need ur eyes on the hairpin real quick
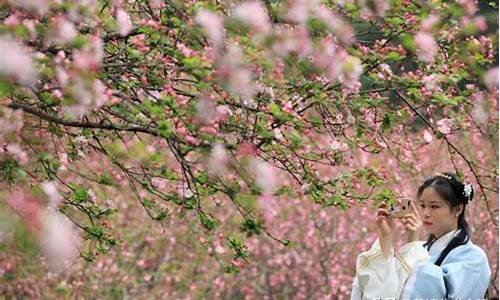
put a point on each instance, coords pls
(468, 191)
(444, 176)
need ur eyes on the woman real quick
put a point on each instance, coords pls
(447, 266)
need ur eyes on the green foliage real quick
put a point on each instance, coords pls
(208, 222)
(252, 227)
(240, 250)
(386, 196)
(79, 194)
(11, 171)
(164, 129)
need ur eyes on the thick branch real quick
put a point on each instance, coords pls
(57, 120)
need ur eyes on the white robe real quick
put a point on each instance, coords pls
(412, 274)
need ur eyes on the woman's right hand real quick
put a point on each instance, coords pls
(385, 224)
(412, 224)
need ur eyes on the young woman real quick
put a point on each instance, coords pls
(447, 266)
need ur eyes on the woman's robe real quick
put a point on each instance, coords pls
(412, 274)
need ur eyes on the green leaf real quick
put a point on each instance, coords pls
(202, 178)
(444, 100)
(296, 140)
(238, 247)
(386, 196)
(192, 62)
(209, 223)
(278, 113)
(161, 216)
(164, 129)
(251, 227)
(5, 89)
(408, 42)
(148, 203)
(80, 194)
(106, 179)
(337, 200)
(393, 56)
(387, 122)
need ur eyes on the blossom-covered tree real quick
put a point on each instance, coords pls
(232, 149)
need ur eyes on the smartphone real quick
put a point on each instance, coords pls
(401, 211)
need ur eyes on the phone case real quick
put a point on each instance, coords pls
(400, 212)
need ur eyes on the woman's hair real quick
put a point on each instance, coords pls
(455, 193)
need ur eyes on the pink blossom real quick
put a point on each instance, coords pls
(427, 137)
(157, 4)
(31, 25)
(265, 176)
(374, 8)
(10, 120)
(62, 75)
(385, 72)
(335, 24)
(101, 93)
(240, 83)
(214, 26)
(12, 20)
(124, 22)
(429, 23)
(26, 207)
(299, 10)
(295, 40)
(159, 183)
(16, 151)
(351, 70)
(480, 23)
(329, 58)
(254, 15)
(238, 263)
(287, 107)
(335, 145)
(59, 240)
(63, 31)
(246, 149)
(186, 51)
(138, 42)
(63, 159)
(57, 94)
(479, 113)
(444, 125)
(209, 130)
(205, 109)
(16, 62)
(218, 160)
(39, 6)
(469, 6)
(191, 140)
(491, 78)
(426, 47)
(151, 23)
(91, 55)
(50, 189)
(221, 113)
(430, 82)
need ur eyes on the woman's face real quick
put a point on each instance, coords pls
(437, 216)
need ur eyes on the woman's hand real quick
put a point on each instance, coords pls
(385, 224)
(385, 227)
(412, 224)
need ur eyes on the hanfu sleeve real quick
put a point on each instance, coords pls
(380, 277)
(464, 274)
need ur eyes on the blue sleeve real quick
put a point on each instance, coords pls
(464, 274)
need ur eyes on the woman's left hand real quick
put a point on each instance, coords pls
(412, 223)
